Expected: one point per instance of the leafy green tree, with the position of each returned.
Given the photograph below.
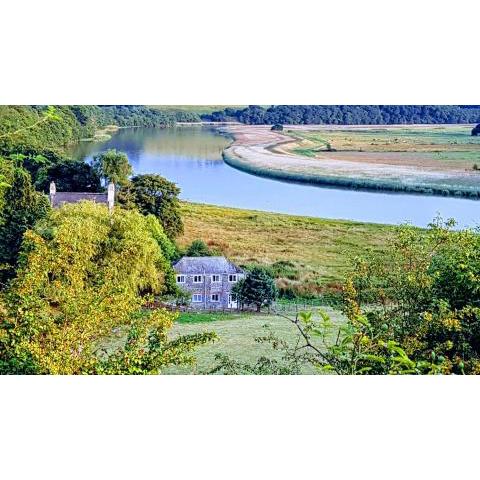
(113, 166)
(198, 248)
(22, 207)
(153, 194)
(257, 288)
(69, 176)
(423, 291)
(77, 305)
(414, 308)
(476, 130)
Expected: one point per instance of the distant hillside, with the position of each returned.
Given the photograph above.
(348, 114)
(50, 136)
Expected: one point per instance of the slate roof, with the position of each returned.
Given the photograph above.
(199, 265)
(72, 197)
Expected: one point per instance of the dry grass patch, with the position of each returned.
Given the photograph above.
(319, 248)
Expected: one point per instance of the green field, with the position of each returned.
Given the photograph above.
(447, 146)
(319, 250)
(237, 333)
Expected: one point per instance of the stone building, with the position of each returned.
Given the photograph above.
(210, 281)
(57, 199)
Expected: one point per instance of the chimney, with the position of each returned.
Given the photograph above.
(111, 196)
(53, 191)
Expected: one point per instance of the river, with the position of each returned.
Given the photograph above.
(192, 158)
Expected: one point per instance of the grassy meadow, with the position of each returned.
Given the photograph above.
(443, 146)
(236, 337)
(318, 250)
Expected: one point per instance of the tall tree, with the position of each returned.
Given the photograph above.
(113, 166)
(258, 288)
(22, 207)
(153, 194)
(77, 304)
(69, 176)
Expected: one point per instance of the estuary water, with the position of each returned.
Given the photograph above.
(192, 158)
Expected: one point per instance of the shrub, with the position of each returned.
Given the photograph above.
(257, 288)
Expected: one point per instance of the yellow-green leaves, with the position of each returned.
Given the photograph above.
(85, 274)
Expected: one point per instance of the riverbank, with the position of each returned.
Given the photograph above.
(316, 251)
(103, 134)
(403, 168)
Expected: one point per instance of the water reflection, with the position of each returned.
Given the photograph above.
(191, 157)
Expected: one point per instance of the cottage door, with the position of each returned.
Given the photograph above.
(232, 301)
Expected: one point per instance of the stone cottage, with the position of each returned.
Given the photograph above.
(57, 199)
(210, 281)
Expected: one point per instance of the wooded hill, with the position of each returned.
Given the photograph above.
(37, 132)
(348, 114)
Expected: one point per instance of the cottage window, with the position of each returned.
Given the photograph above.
(215, 297)
(215, 278)
(197, 297)
(232, 278)
(180, 278)
(197, 279)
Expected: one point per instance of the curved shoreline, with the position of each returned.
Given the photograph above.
(257, 156)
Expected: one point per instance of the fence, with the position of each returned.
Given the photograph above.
(278, 306)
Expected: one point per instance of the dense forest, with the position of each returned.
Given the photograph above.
(348, 114)
(39, 129)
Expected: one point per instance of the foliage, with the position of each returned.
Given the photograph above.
(49, 130)
(153, 194)
(84, 275)
(349, 114)
(22, 206)
(182, 298)
(69, 176)
(415, 309)
(476, 130)
(33, 130)
(257, 288)
(198, 248)
(112, 166)
(424, 295)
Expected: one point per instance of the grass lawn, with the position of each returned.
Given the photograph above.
(319, 249)
(236, 334)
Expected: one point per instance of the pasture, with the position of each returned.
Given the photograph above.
(440, 146)
(236, 337)
(317, 251)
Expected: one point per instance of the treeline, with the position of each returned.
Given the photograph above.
(38, 129)
(348, 114)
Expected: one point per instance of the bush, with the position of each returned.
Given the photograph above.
(257, 288)
(198, 248)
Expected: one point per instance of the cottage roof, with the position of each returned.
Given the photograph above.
(72, 197)
(199, 265)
